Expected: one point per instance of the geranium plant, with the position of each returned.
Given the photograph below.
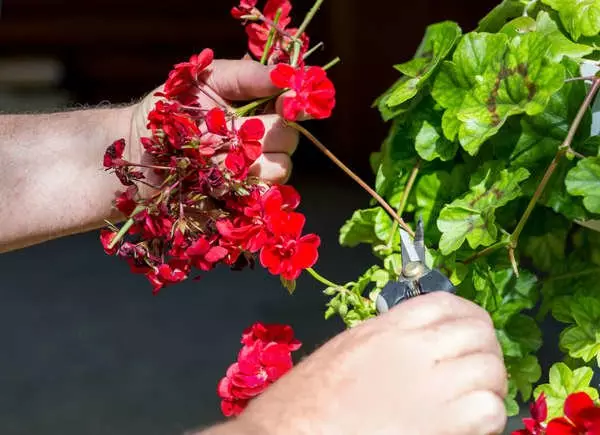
(490, 144)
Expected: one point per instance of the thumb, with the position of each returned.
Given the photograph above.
(241, 80)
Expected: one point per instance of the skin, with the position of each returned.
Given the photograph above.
(430, 366)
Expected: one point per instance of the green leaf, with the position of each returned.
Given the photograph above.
(439, 40)
(582, 340)
(519, 26)
(498, 16)
(584, 180)
(580, 17)
(431, 144)
(520, 336)
(360, 228)
(522, 83)
(564, 382)
(472, 216)
(579, 344)
(523, 373)
(545, 241)
(510, 402)
(560, 45)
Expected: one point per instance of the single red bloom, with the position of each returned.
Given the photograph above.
(203, 255)
(246, 7)
(245, 148)
(153, 226)
(258, 33)
(581, 417)
(183, 79)
(288, 253)
(125, 201)
(280, 198)
(114, 154)
(265, 358)
(249, 235)
(216, 122)
(314, 92)
(106, 237)
(165, 274)
(535, 424)
(178, 127)
(282, 334)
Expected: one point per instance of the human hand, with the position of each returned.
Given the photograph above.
(229, 81)
(432, 365)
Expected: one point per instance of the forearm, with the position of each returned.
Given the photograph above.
(51, 179)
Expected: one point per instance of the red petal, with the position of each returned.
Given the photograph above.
(252, 130)
(282, 75)
(539, 409)
(307, 252)
(561, 426)
(292, 108)
(271, 7)
(270, 260)
(216, 121)
(575, 405)
(252, 151)
(215, 254)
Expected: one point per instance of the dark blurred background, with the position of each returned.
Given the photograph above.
(86, 349)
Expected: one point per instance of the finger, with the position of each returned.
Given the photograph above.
(241, 80)
(476, 372)
(279, 137)
(480, 412)
(273, 167)
(433, 308)
(460, 338)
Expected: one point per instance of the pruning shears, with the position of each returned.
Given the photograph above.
(416, 278)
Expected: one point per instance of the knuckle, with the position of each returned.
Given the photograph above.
(493, 368)
(491, 412)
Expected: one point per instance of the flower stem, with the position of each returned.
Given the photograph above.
(297, 41)
(312, 50)
(125, 227)
(322, 279)
(487, 251)
(352, 175)
(562, 151)
(404, 199)
(331, 64)
(244, 110)
(271, 38)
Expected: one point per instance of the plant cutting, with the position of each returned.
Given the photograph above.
(490, 147)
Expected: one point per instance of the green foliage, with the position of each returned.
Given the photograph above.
(564, 381)
(482, 115)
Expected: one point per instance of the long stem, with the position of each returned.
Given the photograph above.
(487, 251)
(563, 149)
(244, 110)
(271, 38)
(331, 64)
(297, 41)
(322, 279)
(312, 50)
(404, 199)
(352, 175)
(125, 227)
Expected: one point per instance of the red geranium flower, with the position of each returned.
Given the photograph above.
(114, 154)
(125, 201)
(172, 273)
(265, 358)
(258, 33)
(314, 93)
(535, 424)
(183, 79)
(244, 144)
(581, 417)
(288, 253)
(204, 255)
(178, 127)
(246, 7)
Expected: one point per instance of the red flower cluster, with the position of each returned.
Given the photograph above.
(581, 417)
(264, 358)
(203, 213)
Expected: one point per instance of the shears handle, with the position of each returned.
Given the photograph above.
(396, 292)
